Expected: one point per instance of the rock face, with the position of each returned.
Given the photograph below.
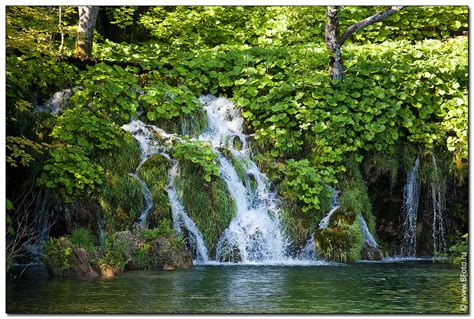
(168, 255)
(80, 264)
(370, 252)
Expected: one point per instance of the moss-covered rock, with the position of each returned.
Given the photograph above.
(343, 240)
(121, 198)
(354, 193)
(144, 249)
(64, 259)
(370, 252)
(155, 174)
(209, 204)
(192, 125)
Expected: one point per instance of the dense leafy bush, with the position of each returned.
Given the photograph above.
(78, 137)
(115, 254)
(163, 101)
(193, 27)
(110, 91)
(57, 253)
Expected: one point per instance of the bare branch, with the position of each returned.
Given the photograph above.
(368, 21)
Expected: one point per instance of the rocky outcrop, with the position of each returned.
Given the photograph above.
(370, 252)
(342, 240)
(64, 259)
(170, 254)
(128, 250)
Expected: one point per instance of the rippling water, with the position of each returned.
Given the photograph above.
(410, 287)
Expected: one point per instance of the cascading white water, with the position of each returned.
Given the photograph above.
(438, 201)
(368, 237)
(411, 194)
(324, 223)
(57, 102)
(255, 234)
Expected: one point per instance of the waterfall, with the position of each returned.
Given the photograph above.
(411, 194)
(56, 103)
(324, 223)
(100, 229)
(438, 201)
(368, 238)
(255, 234)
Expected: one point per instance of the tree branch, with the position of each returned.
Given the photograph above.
(368, 21)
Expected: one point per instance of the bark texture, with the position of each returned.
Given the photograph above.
(85, 31)
(334, 41)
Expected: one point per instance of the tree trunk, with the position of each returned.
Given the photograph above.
(85, 31)
(336, 65)
(334, 41)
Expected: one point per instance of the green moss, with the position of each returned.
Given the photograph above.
(83, 238)
(121, 198)
(384, 163)
(343, 240)
(209, 204)
(155, 174)
(57, 254)
(297, 225)
(192, 125)
(239, 165)
(354, 194)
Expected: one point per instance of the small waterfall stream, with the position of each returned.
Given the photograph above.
(147, 137)
(438, 201)
(411, 194)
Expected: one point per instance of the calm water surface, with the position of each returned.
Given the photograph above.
(415, 287)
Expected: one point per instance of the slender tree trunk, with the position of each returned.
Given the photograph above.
(85, 31)
(336, 65)
(334, 41)
(61, 47)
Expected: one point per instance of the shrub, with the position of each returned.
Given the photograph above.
(115, 254)
(57, 254)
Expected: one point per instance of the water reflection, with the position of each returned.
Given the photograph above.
(369, 288)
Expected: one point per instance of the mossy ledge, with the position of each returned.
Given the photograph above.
(209, 204)
(155, 174)
(343, 240)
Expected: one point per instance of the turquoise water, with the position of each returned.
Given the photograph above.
(411, 287)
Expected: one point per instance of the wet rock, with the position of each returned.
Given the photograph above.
(68, 260)
(170, 253)
(370, 252)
